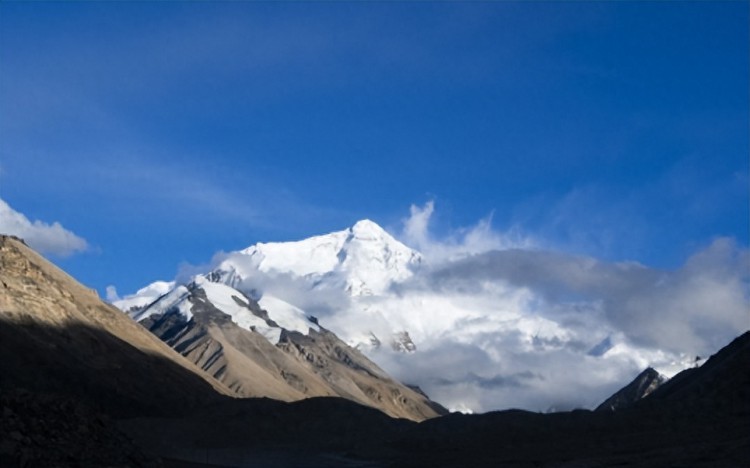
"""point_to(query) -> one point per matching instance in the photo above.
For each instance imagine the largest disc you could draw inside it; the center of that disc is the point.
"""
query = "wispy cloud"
(480, 237)
(144, 187)
(47, 238)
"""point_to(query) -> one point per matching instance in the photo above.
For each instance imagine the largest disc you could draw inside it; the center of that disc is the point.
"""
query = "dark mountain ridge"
(642, 386)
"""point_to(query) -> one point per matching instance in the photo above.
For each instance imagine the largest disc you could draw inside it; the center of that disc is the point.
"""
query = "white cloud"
(692, 309)
(415, 226)
(46, 238)
(478, 238)
(112, 295)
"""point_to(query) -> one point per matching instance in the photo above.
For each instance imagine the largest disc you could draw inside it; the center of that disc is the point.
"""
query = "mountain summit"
(363, 259)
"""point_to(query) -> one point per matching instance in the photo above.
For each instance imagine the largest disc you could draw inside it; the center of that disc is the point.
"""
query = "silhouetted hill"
(684, 427)
(721, 384)
(642, 386)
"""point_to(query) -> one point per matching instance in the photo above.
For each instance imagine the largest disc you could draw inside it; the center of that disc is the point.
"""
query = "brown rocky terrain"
(57, 336)
(299, 366)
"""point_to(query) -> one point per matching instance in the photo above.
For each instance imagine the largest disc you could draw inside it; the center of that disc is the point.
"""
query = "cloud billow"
(580, 325)
(46, 238)
(692, 309)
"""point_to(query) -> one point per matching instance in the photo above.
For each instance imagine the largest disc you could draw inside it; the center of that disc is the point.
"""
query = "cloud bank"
(46, 238)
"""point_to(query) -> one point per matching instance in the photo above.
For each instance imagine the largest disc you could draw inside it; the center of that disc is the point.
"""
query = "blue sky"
(163, 132)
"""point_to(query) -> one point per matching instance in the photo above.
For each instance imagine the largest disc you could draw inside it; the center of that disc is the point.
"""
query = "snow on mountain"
(286, 315)
(175, 299)
(144, 296)
(230, 301)
(471, 341)
(364, 259)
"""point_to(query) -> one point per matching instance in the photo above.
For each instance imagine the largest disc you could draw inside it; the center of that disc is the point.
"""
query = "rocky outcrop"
(642, 386)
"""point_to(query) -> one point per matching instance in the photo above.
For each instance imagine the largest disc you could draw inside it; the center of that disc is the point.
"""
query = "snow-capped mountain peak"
(369, 230)
(364, 258)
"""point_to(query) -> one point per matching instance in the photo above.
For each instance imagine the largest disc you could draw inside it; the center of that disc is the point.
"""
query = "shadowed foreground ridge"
(702, 419)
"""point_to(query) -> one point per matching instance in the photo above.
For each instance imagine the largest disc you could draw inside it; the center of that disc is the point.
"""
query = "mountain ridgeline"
(359, 263)
(82, 384)
(57, 336)
(267, 359)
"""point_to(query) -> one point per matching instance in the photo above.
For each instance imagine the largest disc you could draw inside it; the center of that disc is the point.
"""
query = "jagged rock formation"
(642, 386)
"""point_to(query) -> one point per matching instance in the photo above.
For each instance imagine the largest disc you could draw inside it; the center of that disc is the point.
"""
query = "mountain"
(355, 264)
(723, 381)
(67, 368)
(363, 260)
(57, 336)
(283, 355)
(272, 348)
(453, 327)
(69, 362)
(642, 386)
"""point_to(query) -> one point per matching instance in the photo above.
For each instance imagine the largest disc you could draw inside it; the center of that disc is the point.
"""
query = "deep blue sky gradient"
(163, 132)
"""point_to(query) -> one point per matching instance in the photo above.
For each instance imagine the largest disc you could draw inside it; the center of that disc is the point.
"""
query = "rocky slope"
(57, 336)
(286, 357)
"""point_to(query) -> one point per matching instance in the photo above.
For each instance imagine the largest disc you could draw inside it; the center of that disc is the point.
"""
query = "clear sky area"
(139, 136)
